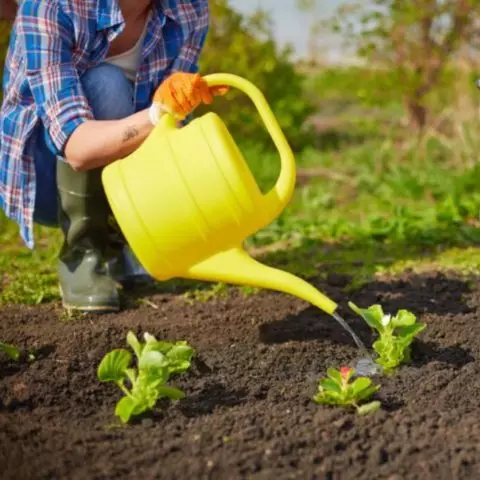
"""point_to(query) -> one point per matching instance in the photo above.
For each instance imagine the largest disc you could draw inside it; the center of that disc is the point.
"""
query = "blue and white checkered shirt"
(53, 43)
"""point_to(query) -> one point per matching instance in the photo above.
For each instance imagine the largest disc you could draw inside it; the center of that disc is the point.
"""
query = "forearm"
(95, 143)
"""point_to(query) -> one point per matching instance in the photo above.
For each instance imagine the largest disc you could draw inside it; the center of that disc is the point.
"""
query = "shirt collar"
(110, 15)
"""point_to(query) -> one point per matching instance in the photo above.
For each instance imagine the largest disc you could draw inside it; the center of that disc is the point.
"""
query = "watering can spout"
(236, 267)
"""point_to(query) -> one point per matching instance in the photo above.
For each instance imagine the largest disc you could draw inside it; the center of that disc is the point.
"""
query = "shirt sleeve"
(187, 60)
(47, 35)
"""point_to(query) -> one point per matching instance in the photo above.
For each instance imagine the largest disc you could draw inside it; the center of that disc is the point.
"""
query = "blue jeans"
(110, 95)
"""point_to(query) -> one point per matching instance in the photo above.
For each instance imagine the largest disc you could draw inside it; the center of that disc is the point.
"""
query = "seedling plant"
(15, 353)
(338, 390)
(145, 385)
(10, 350)
(395, 334)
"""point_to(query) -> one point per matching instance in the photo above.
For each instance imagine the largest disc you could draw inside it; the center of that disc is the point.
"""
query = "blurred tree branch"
(414, 38)
(244, 45)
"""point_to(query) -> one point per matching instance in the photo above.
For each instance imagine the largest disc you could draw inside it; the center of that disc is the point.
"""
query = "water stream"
(365, 366)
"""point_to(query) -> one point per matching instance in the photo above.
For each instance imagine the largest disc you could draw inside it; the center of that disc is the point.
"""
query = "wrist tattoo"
(130, 132)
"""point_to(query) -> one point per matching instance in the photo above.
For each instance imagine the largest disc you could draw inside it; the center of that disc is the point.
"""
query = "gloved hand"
(181, 93)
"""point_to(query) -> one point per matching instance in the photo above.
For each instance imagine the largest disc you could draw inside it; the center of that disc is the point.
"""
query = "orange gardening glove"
(182, 92)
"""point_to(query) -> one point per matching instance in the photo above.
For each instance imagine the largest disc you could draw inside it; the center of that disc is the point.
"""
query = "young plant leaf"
(149, 338)
(346, 374)
(124, 409)
(334, 375)
(158, 346)
(327, 398)
(369, 407)
(344, 393)
(359, 384)
(114, 365)
(329, 384)
(179, 358)
(404, 318)
(135, 345)
(372, 315)
(152, 359)
(410, 331)
(154, 376)
(11, 351)
(131, 374)
(170, 392)
(367, 393)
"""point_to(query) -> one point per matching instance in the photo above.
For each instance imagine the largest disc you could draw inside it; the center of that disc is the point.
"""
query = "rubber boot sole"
(89, 308)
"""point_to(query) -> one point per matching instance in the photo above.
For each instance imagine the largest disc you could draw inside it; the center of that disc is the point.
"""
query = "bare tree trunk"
(417, 112)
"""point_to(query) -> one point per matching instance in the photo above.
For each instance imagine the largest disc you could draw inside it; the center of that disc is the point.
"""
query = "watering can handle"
(279, 196)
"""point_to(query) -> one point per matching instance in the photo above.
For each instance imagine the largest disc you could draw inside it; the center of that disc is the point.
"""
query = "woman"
(79, 81)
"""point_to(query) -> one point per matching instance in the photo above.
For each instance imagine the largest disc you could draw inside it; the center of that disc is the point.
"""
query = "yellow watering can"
(186, 200)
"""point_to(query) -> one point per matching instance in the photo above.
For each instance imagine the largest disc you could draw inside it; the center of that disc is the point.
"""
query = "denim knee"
(109, 92)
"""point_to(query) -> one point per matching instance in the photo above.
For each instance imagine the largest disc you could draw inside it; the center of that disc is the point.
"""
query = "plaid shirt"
(53, 42)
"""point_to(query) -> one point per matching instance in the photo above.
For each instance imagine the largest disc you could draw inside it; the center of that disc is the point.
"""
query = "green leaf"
(335, 375)
(152, 344)
(327, 398)
(135, 345)
(404, 318)
(12, 351)
(179, 358)
(349, 375)
(369, 408)
(372, 315)
(113, 366)
(153, 359)
(158, 346)
(170, 392)
(125, 408)
(131, 374)
(410, 331)
(180, 353)
(149, 338)
(389, 363)
(383, 344)
(359, 384)
(329, 384)
(152, 377)
(141, 407)
(389, 353)
(367, 393)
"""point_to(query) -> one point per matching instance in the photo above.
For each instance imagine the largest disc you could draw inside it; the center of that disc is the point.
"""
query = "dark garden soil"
(248, 411)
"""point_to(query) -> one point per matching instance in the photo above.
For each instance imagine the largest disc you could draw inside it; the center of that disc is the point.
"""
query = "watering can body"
(186, 200)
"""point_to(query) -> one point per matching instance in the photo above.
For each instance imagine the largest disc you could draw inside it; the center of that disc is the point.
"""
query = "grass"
(27, 276)
(371, 200)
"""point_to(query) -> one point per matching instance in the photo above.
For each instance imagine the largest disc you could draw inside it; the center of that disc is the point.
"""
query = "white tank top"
(129, 61)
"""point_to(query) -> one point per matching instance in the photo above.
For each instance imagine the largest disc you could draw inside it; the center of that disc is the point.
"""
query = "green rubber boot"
(123, 265)
(83, 217)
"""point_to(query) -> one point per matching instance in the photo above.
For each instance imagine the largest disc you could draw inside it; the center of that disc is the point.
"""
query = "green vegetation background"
(372, 197)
